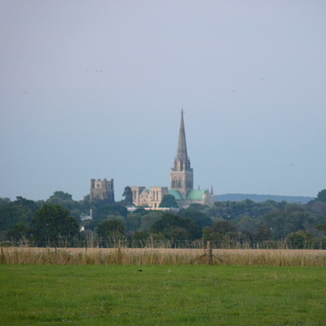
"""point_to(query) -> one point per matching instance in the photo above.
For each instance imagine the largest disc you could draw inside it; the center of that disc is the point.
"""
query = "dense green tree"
(148, 219)
(292, 219)
(230, 210)
(62, 195)
(102, 212)
(247, 237)
(247, 223)
(27, 203)
(321, 227)
(11, 215)
(255, 221)
(97, 202)
(200, 218)
(62, 198)
(53, 225)
(5, 200)
(316, 207)
(168, 201)
(18, 232)
(91, 225)
(300, 240)
(139, 238)
(86, 204)
(140, 211)
(321, 196)
(110, 229)
(124, 220)
(65, 199)
(127, 193)
(197, 207)
(295, 218)
(175, 227)
(132, 222)
(275, 221)
(21, 210)
(262, 233)
(220, 231)
(223, 227)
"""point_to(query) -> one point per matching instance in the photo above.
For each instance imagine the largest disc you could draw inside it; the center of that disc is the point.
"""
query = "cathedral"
(181, 182)
(102, 189)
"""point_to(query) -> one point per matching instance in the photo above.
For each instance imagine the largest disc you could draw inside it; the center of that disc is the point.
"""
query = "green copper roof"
(176, 194)
(195, 194)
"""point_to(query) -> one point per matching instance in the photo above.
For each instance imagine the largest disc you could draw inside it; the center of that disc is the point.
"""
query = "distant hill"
(259, 198)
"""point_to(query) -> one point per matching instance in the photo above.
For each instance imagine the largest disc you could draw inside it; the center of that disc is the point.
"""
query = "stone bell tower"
(182, 175)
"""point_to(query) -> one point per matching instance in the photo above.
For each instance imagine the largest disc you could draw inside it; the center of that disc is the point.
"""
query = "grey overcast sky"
(94, 89)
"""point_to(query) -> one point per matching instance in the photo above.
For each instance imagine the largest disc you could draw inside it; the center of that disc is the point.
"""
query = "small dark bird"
(140, 270)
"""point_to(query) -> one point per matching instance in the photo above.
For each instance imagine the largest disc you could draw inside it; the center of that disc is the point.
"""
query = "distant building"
(181, 182)
(84, 217)
(102, 189)
(151, 197)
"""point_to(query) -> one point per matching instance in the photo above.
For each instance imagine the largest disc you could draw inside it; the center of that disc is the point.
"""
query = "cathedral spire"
(181, 175)
(182, 145)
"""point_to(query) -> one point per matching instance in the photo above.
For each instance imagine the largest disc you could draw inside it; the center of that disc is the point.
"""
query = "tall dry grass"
(129, 256)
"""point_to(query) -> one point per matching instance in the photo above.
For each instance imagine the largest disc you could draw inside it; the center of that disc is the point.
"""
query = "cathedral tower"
(181, 175)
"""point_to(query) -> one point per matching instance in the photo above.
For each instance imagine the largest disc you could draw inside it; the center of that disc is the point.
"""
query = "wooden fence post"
(209, 253)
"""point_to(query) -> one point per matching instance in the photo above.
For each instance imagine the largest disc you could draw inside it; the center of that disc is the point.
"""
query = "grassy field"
(161, 256)
(161, 295)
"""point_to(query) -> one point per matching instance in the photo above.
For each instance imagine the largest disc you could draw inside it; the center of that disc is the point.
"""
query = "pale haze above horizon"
(94, 89)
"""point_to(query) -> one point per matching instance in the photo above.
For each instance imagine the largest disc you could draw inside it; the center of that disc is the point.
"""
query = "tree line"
(60, 221)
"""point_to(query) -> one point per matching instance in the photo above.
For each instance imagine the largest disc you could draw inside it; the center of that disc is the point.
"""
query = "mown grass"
(161, 295)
